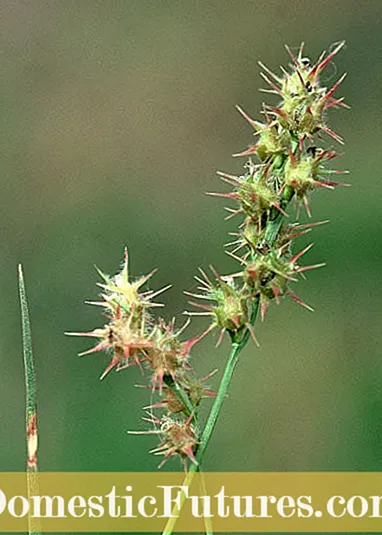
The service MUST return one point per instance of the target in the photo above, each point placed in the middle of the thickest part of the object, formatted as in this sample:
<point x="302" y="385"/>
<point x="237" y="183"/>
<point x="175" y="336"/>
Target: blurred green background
<point x="115" y="116"/>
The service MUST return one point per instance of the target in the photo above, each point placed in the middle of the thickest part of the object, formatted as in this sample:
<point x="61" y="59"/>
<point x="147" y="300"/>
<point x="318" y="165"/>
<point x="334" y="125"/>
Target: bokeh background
<point x="115" y="116"/>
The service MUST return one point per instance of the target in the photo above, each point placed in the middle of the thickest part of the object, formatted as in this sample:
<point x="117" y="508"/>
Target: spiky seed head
<point x="127" y="346"/>
<point x="271" y="142"/>
<point x="255" y="196"/>
<point x="301" y="175"/>
<point x="178" y="439"/>
<point x="252" y="232"/>
<point x="229" y="304"/>
<point x="167" y="354"/>
<point x="193" y="387"/>
<point x="196" y="388"/>
<point x="268" y="275"/>
<point x="121" y="296"/>
<point x="304" y="100"/>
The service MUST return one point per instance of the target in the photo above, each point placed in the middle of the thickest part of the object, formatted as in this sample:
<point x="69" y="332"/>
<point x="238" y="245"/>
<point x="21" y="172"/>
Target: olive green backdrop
<point x="115" y="116"/>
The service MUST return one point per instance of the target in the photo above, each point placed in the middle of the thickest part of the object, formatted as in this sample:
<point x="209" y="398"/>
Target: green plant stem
<point x="238" y="343"/>
<point x="207" y="521"/>
<point x="31" y="405"/>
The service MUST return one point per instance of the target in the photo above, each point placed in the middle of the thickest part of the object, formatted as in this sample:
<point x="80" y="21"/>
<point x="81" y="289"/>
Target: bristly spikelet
<point x="127" y="335"/>
<point x="229" y="306"/>
<point x="193" y="387"/>
<point x="178" y="438"/>
<point x="305" y="172"/>
<point x="304" y="99"/>
<point x="271" y="143"/>
<point x="270" y="274"/>
<point x="167" y="355"/>
<point x="123" y="296"/>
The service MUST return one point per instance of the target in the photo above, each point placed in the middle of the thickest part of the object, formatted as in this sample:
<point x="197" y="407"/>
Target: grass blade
<point x="31" y="405"/>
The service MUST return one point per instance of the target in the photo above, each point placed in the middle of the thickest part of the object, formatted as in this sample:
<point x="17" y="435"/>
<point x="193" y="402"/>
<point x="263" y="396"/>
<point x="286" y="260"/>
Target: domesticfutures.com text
<point x="220" y="505"/>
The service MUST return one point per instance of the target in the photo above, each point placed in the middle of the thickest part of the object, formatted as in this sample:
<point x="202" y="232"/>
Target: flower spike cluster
<point x="286" y="163"/>
<point x="132" y="336"/>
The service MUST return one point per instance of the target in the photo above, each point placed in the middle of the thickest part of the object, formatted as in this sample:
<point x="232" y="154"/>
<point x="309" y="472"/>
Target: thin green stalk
<point x="238" y="344"/>
<point x="207" y="521"/>
<point x="31" y="405"/>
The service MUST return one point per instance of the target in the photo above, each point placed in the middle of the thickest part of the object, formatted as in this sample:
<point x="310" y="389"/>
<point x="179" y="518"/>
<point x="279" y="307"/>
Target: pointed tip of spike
<point x="251" y="121"/>
<point x="101" y="274"/>
<point x="299" y="301"/>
